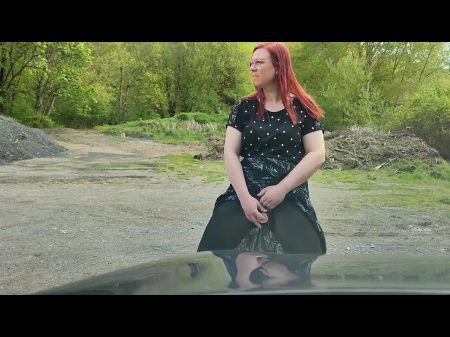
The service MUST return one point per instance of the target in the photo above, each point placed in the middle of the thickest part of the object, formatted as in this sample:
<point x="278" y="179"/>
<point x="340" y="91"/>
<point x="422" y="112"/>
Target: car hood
<point x="232" y="272"/>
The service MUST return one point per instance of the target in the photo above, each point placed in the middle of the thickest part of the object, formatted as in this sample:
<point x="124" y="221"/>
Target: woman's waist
<point x="267" y="166"/>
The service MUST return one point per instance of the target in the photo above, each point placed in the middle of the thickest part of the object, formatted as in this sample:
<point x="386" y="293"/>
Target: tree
<point x="15" y="59"/>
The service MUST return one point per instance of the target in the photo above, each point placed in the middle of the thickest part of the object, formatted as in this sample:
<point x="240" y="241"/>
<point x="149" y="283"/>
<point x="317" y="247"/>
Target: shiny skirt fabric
<point x="260" y="172"/>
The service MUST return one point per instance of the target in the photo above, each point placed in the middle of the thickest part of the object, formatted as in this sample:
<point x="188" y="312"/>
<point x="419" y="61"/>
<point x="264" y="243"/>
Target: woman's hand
<point x="254" y="211"/>
<point x="272" y="196"/>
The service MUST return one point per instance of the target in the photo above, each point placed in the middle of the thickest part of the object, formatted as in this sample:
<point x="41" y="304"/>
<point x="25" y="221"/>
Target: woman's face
<point x="277" y="274"/>
<point x="268" y="273"/>
<point x="262" y="69"/>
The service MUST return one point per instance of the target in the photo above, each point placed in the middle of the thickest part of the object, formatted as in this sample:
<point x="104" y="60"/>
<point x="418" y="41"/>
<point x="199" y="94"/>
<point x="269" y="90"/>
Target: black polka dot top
<point x="274" y="136"/>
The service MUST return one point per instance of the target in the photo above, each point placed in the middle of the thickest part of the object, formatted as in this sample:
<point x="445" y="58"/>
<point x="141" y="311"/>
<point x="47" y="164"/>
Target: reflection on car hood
<point x="232" y="272"/>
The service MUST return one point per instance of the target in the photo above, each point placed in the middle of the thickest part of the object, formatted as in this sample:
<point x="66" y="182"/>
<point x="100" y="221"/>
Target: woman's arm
<point x="232" y="149"/>
<point x="252" y="208"/>
<point x="314" y="145"/>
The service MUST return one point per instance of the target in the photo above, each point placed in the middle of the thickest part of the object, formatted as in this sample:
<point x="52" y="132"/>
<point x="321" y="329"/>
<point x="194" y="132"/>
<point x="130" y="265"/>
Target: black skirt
<point x="260" y="172"/>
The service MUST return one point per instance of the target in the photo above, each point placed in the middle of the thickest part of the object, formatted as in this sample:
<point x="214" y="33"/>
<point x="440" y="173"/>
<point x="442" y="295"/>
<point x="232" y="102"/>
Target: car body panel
<point x="231" y="272"/>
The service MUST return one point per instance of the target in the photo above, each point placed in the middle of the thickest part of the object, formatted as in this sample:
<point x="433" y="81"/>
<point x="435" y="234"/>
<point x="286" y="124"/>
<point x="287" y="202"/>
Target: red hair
<point x="287" y="82"/>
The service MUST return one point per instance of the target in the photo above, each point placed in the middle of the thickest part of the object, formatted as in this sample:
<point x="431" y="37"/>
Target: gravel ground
<point x="18" y="142"/>
<point x="101" y="206"/>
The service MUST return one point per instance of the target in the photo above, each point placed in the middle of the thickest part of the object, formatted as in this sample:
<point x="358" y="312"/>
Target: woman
<point x="278" y="133"/>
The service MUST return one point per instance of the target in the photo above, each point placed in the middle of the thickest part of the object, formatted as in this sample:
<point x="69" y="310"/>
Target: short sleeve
<point x="306" y="122"/>
<point x="236" y="118"/>
<point x="310" y="124"/>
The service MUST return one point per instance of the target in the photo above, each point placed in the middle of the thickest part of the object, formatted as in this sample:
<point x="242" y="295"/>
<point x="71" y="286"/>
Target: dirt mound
<point x="357" y="147"/>
<point x="215" y="149"/>
<point x="18" y="142"/>
<point x="367" y="148"/>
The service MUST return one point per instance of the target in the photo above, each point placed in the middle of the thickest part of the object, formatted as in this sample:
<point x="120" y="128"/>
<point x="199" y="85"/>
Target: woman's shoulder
<point x="246" y="103"/>
<point x="248" y="100"/>
<point x="301" y="110"/>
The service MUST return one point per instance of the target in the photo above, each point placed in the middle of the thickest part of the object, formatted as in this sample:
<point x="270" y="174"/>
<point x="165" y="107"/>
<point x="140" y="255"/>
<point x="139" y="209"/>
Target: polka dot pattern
<point x="274" y="135"/>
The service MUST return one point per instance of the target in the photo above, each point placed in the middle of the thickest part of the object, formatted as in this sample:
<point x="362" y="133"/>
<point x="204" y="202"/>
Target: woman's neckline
<point x="275" y="111"/>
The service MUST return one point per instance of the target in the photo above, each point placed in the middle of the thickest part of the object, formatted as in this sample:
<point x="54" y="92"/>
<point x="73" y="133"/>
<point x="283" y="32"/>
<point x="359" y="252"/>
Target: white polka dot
<point x="244" y="137"/>
<point x="293" y="157"/>
<point x="292" y="126"/>
<point x="260" y="127"/>
<point x="278" y="155"/>
<point x="251" y="144"/>
<point x="291" y="139"/>
<point x="267" y="133"/>
<point x="259" y="138"/>
<point x="251" y="131"/>
<point x="282" y="144"/>
<point x="287" y="151"/>
<point x="312" y="127"/>
<point x="277" y="129"/>
<point x="254" y="122"/>
<point x="274" y="137"/>
<point x="245" y="110"/>
<point x="271" y="117"/>
<point x="278" y="119"/>
<point x="263" y="120"/>
<point x="266" y="144"/>
<point x="284" y="131"/>
<point x="270" y="124"/>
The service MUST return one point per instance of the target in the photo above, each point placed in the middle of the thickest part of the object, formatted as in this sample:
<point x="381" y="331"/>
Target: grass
<point x="184" y="127"/>
<point x="184" y="166"/>
<point x="406" y="184"/>
<point x="123" y="165"/>
<point x="402" y="184"/>
<point x="419" y="189"/>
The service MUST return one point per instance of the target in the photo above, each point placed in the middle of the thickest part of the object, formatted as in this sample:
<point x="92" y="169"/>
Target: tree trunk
<point x="426" y="62"/>
<point x="125" y="100"/>
<point x="2" y="80"/>
<point x="120" y="94"/>
<point x="40" y="90"/>
<point x="52" y="105"/>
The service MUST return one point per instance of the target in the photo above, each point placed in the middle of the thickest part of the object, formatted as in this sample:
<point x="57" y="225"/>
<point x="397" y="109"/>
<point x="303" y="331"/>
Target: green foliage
<point x="37" y="121"/>
<point x="415" y="171"/>
<point x="171" y="130"/>
<point x="389" y="85"/>
<point x="349" y="98"/>
<point x="429" y="115"/>
<point x="202" y="118"/>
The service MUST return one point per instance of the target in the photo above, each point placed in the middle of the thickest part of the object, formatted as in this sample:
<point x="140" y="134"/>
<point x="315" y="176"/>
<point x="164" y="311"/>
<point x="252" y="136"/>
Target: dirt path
<point x="101" y="206"/>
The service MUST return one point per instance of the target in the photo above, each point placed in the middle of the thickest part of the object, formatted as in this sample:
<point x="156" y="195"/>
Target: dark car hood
<point x="231" y="272"/>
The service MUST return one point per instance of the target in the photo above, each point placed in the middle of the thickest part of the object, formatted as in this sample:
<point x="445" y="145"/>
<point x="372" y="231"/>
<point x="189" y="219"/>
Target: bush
<point x="429" y="116"/>
<point x="201" y="117"/>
